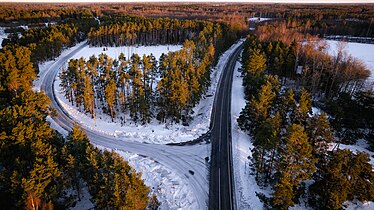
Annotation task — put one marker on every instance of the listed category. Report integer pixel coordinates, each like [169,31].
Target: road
[221,182]
[181,159]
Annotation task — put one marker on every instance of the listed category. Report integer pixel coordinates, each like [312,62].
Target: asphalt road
[221,182]
[183,159]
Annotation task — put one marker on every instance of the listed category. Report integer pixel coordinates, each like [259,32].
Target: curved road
[180,159]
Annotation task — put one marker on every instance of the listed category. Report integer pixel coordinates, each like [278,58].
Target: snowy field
[362,51]
[153,132]
[114,52]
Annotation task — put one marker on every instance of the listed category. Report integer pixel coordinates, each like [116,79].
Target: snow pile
[154,132]
[364,52]
[357,205]
[245,183]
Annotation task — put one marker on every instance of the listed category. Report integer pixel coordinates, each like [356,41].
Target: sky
[268,1]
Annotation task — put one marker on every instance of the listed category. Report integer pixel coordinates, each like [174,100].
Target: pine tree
[284,192]
[304,108]
[111,96]
[257,62]
[332,188]
[296,165]
[88,94]
[320,134]
[17,72]
[261,107]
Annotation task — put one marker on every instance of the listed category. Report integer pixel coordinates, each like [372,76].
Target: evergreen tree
[111,96]
[320,134]
[296,165]
[257,63]
[304,108]
[346,176]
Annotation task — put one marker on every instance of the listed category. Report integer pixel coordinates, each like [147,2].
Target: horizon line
[197,1]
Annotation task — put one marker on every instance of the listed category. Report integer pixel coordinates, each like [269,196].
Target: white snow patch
[172,192]
[114,52]
[258,19]
[316,111]
[154,132]
[357,205]
[3,36]
[57,127]
[85,202]
[245,183]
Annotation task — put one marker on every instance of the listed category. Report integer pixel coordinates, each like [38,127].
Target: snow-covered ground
[362,51]
[172,191]
[258,19]
[3,35]
[245,183]
[85,202]
[365,52]
[172,188]
[360,146]
[114,52]
[153,132]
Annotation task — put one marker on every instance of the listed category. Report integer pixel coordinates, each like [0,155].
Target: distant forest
[352,19]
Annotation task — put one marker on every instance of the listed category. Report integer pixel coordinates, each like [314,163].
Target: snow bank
[245,183]
[154,132]
[57,127]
